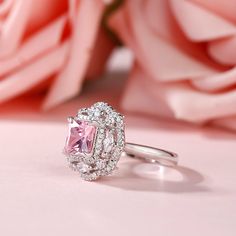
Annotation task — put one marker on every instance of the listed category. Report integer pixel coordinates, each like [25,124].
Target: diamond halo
[96,141]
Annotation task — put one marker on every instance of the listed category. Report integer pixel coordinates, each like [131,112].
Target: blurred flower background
[183,54]
[50,45]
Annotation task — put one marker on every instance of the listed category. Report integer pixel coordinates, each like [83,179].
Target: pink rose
[185,57]
[50,44]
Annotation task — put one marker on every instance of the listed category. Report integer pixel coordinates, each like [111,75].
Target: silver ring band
[151,154]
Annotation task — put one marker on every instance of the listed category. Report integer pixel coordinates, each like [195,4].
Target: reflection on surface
[138,176]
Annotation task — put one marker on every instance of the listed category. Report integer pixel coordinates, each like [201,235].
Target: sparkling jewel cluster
[95,141]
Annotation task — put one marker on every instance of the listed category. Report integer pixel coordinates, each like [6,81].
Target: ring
[96,141]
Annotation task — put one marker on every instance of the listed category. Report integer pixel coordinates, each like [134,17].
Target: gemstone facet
[81,137]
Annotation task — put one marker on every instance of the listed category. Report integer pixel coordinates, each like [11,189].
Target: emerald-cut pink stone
[80,138]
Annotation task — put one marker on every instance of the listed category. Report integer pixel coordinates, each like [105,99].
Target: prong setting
[70,119]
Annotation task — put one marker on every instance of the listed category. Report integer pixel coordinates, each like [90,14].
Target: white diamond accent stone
[108,142]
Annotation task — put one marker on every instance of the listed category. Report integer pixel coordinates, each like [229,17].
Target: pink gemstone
[81,137]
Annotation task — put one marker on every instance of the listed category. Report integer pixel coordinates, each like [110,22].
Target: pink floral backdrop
[184,53]
[52,45]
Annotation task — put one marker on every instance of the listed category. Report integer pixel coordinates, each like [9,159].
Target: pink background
[40,195]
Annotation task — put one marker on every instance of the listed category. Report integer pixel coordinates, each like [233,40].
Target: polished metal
[151,154]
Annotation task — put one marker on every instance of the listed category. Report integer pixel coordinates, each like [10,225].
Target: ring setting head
[95,141]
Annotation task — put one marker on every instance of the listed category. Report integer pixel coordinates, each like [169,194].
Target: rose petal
[14,27]
[226,8]
[216,82]
[199,24]
[159,58]
[137,89]
[33,74]
[34,47]
[178,99]
[221,50]
[68,83]
[5,7]
[226,122]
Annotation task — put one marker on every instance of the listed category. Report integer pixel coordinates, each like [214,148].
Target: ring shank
[151,154]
